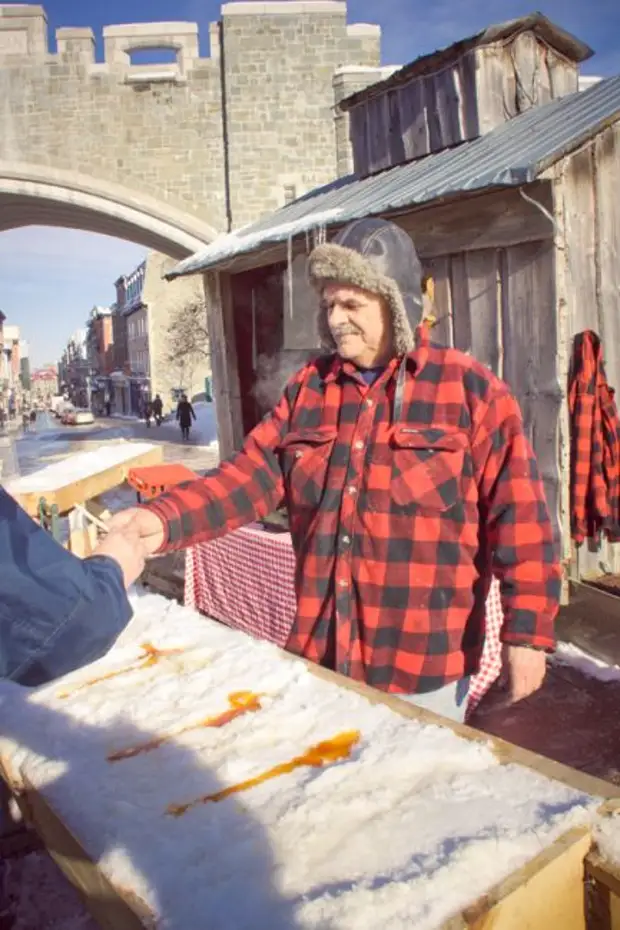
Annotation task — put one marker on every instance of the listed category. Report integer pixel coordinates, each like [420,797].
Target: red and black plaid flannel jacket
[595,444]
[398,523]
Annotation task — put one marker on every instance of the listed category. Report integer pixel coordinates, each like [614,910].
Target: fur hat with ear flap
[379,257]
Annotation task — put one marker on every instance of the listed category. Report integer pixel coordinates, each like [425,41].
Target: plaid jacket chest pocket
[304,461]
[427,467]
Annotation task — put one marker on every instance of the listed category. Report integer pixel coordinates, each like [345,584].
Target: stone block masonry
[218,140]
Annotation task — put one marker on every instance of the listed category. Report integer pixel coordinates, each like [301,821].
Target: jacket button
[298,454]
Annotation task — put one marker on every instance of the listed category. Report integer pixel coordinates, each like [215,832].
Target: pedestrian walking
[158,408]
[185,412]
[148,413]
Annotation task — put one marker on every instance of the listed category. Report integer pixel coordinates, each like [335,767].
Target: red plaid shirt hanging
[595,444]
[405,497]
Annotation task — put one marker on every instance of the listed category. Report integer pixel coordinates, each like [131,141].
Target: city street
[50,441]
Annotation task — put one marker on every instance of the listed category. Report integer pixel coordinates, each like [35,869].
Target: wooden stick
[93,519]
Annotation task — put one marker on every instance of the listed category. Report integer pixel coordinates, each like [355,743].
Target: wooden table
[546,893]
[78,481]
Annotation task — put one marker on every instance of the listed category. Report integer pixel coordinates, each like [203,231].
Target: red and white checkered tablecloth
[246,580]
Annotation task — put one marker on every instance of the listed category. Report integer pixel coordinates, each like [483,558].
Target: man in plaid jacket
[409,482]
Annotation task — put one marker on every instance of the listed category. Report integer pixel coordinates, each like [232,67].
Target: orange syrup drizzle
[331,750]
[151,657]
[241,702]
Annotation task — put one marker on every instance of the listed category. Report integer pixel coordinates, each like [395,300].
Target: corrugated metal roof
[513,154]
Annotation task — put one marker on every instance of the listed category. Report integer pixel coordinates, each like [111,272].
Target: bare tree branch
[187,334]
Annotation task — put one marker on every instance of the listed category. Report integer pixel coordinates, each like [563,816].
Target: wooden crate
[602,893]
[547,893]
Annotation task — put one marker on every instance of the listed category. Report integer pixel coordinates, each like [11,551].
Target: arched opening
[59,282]
[35,196]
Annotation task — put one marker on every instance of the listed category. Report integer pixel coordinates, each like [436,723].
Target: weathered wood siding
[224,362]
[587,217]
[463,99]
[499,305]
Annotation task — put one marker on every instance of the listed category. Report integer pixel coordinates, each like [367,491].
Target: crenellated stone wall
[200,144]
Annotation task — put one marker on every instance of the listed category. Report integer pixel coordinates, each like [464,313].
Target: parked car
[66,413]
[82,417]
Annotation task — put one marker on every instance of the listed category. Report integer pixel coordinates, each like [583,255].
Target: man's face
[360,324]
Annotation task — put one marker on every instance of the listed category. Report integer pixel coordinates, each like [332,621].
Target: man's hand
[126,549]
[523,671]
[146,526]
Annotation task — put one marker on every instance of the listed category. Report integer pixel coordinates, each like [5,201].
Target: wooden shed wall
[586,188]
[460,100]
[492,261]
[499,305]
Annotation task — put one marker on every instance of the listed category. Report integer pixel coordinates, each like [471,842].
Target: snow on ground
[203,431]
[415,825]
[568,654]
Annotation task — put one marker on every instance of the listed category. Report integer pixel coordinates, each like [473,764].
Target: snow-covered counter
[82,476]
[218,784]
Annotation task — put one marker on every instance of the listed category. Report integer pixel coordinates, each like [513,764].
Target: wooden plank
[466,68]
[577,310]
[358,133]
[396,142]
[563,75]
[580,245]
[545,893]
[448,104]
[439,270]
[494,220]
[523,60]
[224,363]
[608,247]
[435,143]
[493,106]
[530,353]
[412,105]
[481,269]
[603,871]
[461,320]
[378,134]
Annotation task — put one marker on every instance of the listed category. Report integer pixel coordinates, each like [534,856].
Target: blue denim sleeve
[57,612]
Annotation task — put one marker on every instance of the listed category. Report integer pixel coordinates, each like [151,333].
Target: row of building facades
[15,379]
[122,358]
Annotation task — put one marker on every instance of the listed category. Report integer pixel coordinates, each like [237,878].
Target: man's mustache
[345,331]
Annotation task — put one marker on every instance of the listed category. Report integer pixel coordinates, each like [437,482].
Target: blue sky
[50,278]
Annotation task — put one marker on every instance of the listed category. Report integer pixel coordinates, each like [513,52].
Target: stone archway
[33,195]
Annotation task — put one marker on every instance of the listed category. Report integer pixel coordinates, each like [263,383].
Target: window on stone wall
[290,193]
[152,56]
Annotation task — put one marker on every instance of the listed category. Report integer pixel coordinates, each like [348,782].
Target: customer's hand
[125,547]
[145,524]
[523,671]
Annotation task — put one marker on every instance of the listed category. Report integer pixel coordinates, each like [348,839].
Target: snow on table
[77,467]
[414,826]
